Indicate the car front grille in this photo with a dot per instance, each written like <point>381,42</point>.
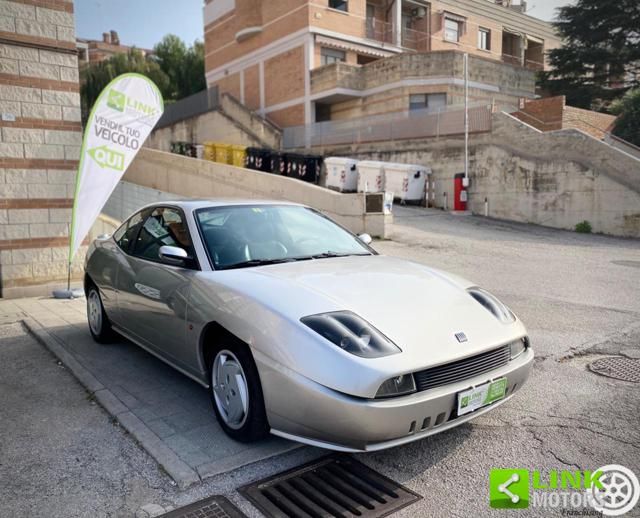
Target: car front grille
<point>462,369</point>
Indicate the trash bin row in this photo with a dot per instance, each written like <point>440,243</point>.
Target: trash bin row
<point>407,182</point>
<point>293,165</point>
<point>225,153</point>
<point>187,149</point>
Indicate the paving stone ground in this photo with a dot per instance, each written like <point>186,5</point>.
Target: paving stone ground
<point>166,411</point>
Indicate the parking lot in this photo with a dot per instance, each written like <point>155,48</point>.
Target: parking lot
<point>578,295</point>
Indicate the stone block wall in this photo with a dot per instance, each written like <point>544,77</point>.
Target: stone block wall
<point>40,139</point>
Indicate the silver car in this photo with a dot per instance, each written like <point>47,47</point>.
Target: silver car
<point>299,328</point>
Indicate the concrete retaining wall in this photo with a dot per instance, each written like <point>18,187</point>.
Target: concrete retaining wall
<point>231,123</point>
<point>556,179</point>
<point>169,174</point>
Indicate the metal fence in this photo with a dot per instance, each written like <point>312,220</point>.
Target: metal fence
<point>428,123</point>
<point>195,104</point>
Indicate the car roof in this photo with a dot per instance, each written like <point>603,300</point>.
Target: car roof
<point>189,205</point>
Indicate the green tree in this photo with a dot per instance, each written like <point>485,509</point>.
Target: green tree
<point>600,56</point>
<point>184,66</point>
<point>95,77</point>
<point>627,125</point>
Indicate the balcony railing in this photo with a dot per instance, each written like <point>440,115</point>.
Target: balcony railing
<point>527,63</point>
<point>379,30</point>
<point>445,121</point>
<point>415,40</point>
<point>383,32</point>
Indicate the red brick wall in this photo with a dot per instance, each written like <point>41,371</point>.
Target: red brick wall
<point>543,114</point>
<point>552,113</point>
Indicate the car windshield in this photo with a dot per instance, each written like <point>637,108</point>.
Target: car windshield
<point>254,235</point>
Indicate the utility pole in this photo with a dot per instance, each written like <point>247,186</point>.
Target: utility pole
<point>466,120</point>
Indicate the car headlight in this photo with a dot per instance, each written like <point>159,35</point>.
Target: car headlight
<point>397,386</point>
<point>351,333</point>
<point>518,347</point>
<point>490,302</point>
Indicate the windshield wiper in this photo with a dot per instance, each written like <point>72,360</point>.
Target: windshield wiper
<point>330,254</point>
<point>257,262</point>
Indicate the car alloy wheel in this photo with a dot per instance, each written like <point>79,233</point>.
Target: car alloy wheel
<point>94,312</point>
<point>230,389</point>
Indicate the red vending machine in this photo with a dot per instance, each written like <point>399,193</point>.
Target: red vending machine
<point>459,193</point>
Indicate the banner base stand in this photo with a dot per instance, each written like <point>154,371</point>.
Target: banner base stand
<point>68,294</point>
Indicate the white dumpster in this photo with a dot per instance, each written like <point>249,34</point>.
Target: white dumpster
<point>370,176</point>
<point>342,174</point>
<point>406,181</point>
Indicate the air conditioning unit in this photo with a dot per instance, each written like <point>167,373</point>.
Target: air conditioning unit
<point>419,12</point>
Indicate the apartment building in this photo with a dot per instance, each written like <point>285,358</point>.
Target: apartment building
<point>94,51</point>
<point>302,61</point>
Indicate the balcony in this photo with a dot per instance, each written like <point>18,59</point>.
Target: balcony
<point>383,32</point>
<point>379,31</point>
<point>530,64</point>
<point>336,76</point>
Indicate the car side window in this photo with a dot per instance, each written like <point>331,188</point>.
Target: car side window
<point>164,226</point>
<point>126,234</point>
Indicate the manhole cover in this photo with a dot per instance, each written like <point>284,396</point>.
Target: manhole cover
<point>332,486</point>
<point>212,507</point>
<point>617,367</point>
<point>631,264</point>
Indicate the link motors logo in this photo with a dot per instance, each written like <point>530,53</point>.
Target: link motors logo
<point>120,102</point>
<point>611,490</point>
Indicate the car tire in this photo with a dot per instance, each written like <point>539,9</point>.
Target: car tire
<point>99,323</point>
<point>236,394</point>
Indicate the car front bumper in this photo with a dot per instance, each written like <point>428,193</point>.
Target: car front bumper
<point>302,410</point>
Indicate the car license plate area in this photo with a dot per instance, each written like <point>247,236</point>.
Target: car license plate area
<point>482,395</point>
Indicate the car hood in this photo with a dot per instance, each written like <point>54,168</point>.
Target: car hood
<point>419,308</point>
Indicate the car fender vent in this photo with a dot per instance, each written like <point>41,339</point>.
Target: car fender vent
<point>332,486</point>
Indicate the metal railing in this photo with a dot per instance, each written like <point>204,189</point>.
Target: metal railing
<point>196,104</point>
<point>519,61</point>
<point>407,125</point>
<point>385,33</point>
<point>379,30</point>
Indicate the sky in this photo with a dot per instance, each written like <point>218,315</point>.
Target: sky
<point>144,22</point>
<point>544,9</point>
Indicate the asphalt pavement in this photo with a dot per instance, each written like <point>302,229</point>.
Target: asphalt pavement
<point>578,295</point>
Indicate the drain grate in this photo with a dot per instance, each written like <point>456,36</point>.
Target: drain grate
<point>617,367</point>
<point>212,507</point>
<point>332,486</point>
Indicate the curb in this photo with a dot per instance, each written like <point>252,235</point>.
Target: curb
<point>177,469</point>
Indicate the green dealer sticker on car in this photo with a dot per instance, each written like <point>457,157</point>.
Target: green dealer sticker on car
<point>482,395</point>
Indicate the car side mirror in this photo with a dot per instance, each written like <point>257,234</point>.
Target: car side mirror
<point>365,238</point>
<point>173,255</point>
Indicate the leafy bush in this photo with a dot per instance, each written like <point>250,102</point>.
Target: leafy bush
<point>627,125</point>
<point>584,227</point>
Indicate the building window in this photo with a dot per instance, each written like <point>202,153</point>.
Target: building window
<point>330,56</point>
<point>484,39</point>
<point>425,101</point>
<point>340,5</point>
<point>451,30</point>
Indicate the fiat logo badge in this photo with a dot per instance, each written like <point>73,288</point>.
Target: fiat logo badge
<point>461,337</point>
